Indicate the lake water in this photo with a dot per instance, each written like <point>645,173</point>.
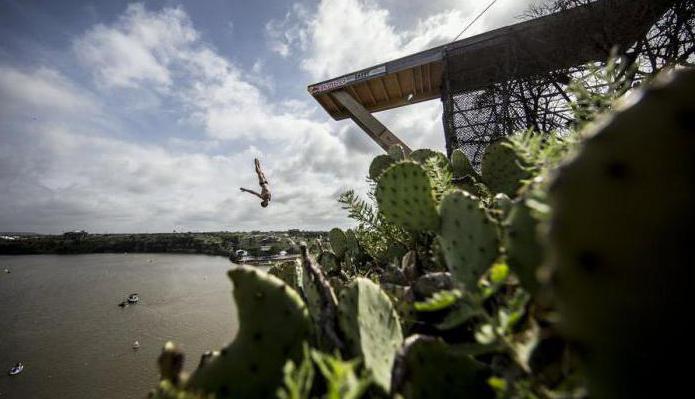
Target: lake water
<point>59,315</point>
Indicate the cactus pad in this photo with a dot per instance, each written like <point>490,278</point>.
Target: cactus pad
<point>371,328</point>
<point>620,240</point>
<point>524,251</point>
<point>429,368</point>
<point>405,197</point>
<point>467,237</point>
<point>379,165</point>
<point>251,366</point>
<point>396,152</point>
<point>461,166</point>
<point>421,155</point>
<point>502,169</point>
<point>290,272</point>
<point>338,242</point>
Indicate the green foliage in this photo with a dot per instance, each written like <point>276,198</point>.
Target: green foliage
<point>598,90</point>
<point>440,300</point>
<point>373,231</point>
<point>342,378</point>
<point>298,380</point>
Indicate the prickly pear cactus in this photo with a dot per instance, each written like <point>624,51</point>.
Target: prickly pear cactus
<point>405,197</point>
<point>621,242</point>
<point>429,368</point>
<point>502,169</point>
<point>371,328</point>
<point>338,242</point>
<point>396,152</point>
<point>461,166</point>
<point>467,237</point>
<point>524,250</point>
<point>251,366</point>
<point>379,165</point>
<point>290,272</point>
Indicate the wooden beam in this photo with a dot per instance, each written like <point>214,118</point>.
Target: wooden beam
<point>365,120</point>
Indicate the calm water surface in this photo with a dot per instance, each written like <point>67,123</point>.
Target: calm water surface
<point>59,315</point>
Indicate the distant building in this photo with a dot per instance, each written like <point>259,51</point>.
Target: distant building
<point>265,248</point>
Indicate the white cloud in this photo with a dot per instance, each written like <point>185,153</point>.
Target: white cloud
<point>62,173</point>
<point>138,48</point>
<point>42,89</point>
<point>79,166</point>
<point>346,35</point>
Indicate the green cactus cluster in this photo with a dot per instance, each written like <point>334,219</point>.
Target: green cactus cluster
<point>562,278</point>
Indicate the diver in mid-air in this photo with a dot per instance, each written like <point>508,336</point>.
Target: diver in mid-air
<point>263,182</point>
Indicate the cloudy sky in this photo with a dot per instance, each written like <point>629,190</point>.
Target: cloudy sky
<point>120,116</point>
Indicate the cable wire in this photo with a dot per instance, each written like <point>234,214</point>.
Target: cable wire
<point>475,20</point>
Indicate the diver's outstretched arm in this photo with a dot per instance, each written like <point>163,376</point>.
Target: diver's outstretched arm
<point>251,192</point>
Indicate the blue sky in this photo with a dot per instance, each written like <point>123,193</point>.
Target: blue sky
<point>121,116</point>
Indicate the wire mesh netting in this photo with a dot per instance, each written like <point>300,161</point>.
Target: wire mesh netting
<point>529,89</point>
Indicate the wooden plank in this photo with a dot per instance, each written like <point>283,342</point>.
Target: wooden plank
<point>398,85</point>
<point>371,93</point>
<point>383,87</point>
<point>365,120</point>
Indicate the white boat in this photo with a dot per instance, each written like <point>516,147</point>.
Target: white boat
<point>136,345</point>
<point>18,368</point>
<point>133,298</point>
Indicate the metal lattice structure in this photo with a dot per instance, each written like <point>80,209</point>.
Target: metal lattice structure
<point>498,82</point>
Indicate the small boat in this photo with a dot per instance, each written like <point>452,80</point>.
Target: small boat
<point>133,298</point>
<point>136,345</point>
<point>7,271</point>
<point>18,368</point>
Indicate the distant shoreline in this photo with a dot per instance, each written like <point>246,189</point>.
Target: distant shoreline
<point>216,244</point>
<point>242,246</point>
